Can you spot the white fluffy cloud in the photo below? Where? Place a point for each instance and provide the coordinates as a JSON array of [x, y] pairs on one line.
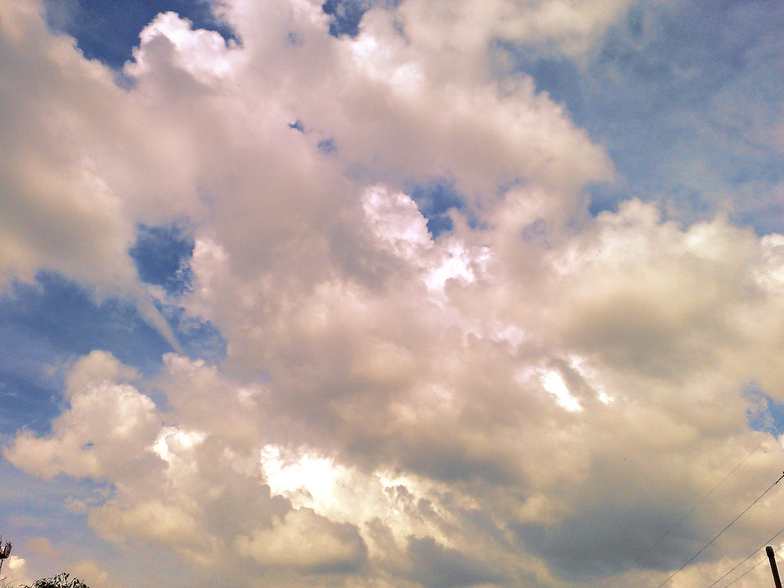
[[104, 433], [527, 400]]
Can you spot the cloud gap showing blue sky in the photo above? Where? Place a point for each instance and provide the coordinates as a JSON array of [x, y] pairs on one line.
[[162, 256], [108, 30], [51, 322], [346, 16], [435, 199]]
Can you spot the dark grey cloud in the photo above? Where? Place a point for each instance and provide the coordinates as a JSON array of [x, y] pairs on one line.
[[436, 566]]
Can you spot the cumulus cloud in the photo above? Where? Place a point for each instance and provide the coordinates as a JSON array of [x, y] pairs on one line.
[[529, 399], [307, 541], [107, 422], [16, 570]]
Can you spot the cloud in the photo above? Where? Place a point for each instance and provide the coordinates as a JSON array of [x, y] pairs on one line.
[[102, 408], [678, 92], [472, 27], [60, 208], [530, 397], [90, 573], [304, 540], [438, 567], [16, 568], [110, 32], [64, 214]]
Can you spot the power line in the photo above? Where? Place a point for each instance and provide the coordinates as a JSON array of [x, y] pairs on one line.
[[712, 490], [732, 522], [754, 567], [747, 558]]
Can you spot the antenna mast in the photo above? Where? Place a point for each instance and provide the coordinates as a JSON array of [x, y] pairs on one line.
[[773, 567], [5, 551]]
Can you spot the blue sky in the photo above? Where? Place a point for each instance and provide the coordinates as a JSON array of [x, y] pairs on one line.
[[504, 307], [109, 31], [679, 91]]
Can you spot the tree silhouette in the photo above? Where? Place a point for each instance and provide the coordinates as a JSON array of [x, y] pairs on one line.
[[59, 581]]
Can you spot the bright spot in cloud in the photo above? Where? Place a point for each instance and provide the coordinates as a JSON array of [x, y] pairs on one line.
[[308, 480], [553, 382]]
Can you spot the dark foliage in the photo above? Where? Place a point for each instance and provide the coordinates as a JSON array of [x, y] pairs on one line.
[[59, 581]]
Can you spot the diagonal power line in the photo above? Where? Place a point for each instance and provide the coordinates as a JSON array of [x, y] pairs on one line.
[[744, 560], [732, 522], [712, 490]]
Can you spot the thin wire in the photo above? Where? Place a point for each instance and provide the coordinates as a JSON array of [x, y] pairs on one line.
[[709, 543], [712, 490], [754, 567], [747, 558]]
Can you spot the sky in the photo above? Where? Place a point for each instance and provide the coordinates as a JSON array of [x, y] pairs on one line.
[[392, 293]]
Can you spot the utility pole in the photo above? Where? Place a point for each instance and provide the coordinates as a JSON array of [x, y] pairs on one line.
[[773, 567], [5, 551]]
